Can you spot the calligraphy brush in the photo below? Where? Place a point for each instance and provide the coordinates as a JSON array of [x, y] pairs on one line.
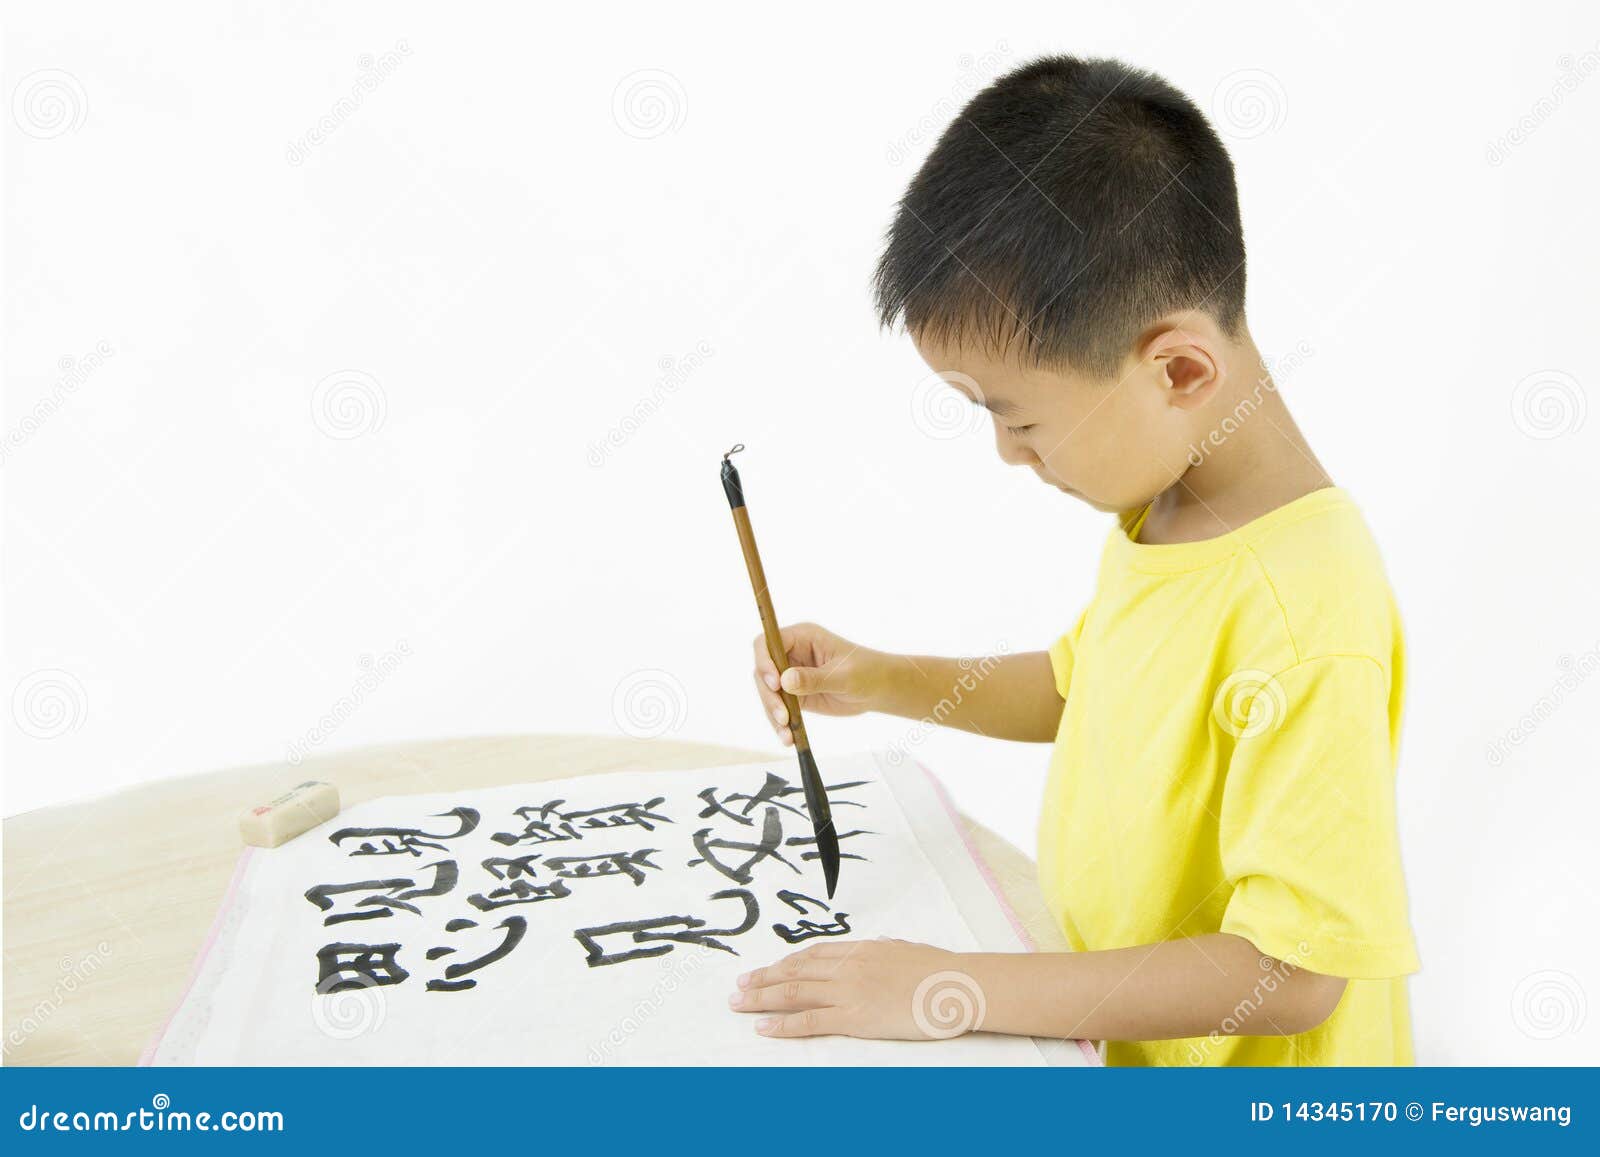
[[810, 777]]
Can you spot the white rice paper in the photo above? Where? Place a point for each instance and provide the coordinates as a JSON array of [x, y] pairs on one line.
[[254, 999]]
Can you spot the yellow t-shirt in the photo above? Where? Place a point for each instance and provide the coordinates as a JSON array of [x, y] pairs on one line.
[[1225, 763]]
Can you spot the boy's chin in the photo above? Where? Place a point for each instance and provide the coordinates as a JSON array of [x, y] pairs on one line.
[[1102, 507]]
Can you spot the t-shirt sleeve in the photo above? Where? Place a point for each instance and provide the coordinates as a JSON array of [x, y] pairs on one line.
[[1062, 654], [1308, 832]]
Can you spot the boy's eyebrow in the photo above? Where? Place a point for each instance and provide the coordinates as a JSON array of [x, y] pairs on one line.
[[1001, 408]]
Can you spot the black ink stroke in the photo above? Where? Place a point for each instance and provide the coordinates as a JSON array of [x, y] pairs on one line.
[[405, 841], [656, 940], [388, 895], [740, 871], [516, 928], [805, 928]]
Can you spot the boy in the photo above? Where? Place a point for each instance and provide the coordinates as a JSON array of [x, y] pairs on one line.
[[1218, 837]]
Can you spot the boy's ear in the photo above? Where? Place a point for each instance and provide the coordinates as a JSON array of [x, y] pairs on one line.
[[1189, 364]]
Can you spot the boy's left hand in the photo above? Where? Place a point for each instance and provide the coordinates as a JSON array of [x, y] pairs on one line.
[[882, 989]]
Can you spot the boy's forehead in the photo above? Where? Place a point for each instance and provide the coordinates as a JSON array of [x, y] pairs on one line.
[[994, 379]]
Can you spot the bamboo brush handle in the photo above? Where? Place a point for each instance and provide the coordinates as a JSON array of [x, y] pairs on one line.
[[769, 622]]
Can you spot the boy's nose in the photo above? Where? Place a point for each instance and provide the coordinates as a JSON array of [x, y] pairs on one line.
[[1012, 451]]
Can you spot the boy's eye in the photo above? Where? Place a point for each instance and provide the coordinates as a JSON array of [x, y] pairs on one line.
[[1018, 430]]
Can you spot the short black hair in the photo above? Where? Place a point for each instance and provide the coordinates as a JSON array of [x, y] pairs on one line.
[[1070, 205]]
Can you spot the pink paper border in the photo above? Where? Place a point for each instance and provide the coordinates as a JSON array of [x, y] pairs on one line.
[[205, 951], [1090, 1053]]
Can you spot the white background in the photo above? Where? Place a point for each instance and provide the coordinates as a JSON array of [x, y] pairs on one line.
[[296, 383]]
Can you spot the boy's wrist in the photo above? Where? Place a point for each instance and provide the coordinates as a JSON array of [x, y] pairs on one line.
[[892, 684], [979, 971]]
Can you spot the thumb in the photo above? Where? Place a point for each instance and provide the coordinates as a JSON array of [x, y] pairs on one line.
[[814, 680]]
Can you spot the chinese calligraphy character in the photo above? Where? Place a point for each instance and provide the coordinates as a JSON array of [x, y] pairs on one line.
[[516, 928], [405, 841], [387, 896], [806, 928], [347, 966], [519, 888], [655, 938], [630, 864], [802, 841], [548, 824], [771, 792], [740, 872]]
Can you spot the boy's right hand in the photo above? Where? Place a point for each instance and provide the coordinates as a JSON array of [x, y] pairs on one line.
[[827, 674]]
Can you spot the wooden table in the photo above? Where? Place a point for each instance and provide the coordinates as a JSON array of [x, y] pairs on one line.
[[107, 902]]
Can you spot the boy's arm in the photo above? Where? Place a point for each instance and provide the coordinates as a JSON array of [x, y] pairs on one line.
[[893, 989], [1003, 696]]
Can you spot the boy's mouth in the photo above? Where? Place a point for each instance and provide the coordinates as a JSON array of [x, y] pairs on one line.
[[1079, 495], [1049, 481]]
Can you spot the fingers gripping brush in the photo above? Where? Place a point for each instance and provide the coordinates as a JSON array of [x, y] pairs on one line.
[[810, 778]]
